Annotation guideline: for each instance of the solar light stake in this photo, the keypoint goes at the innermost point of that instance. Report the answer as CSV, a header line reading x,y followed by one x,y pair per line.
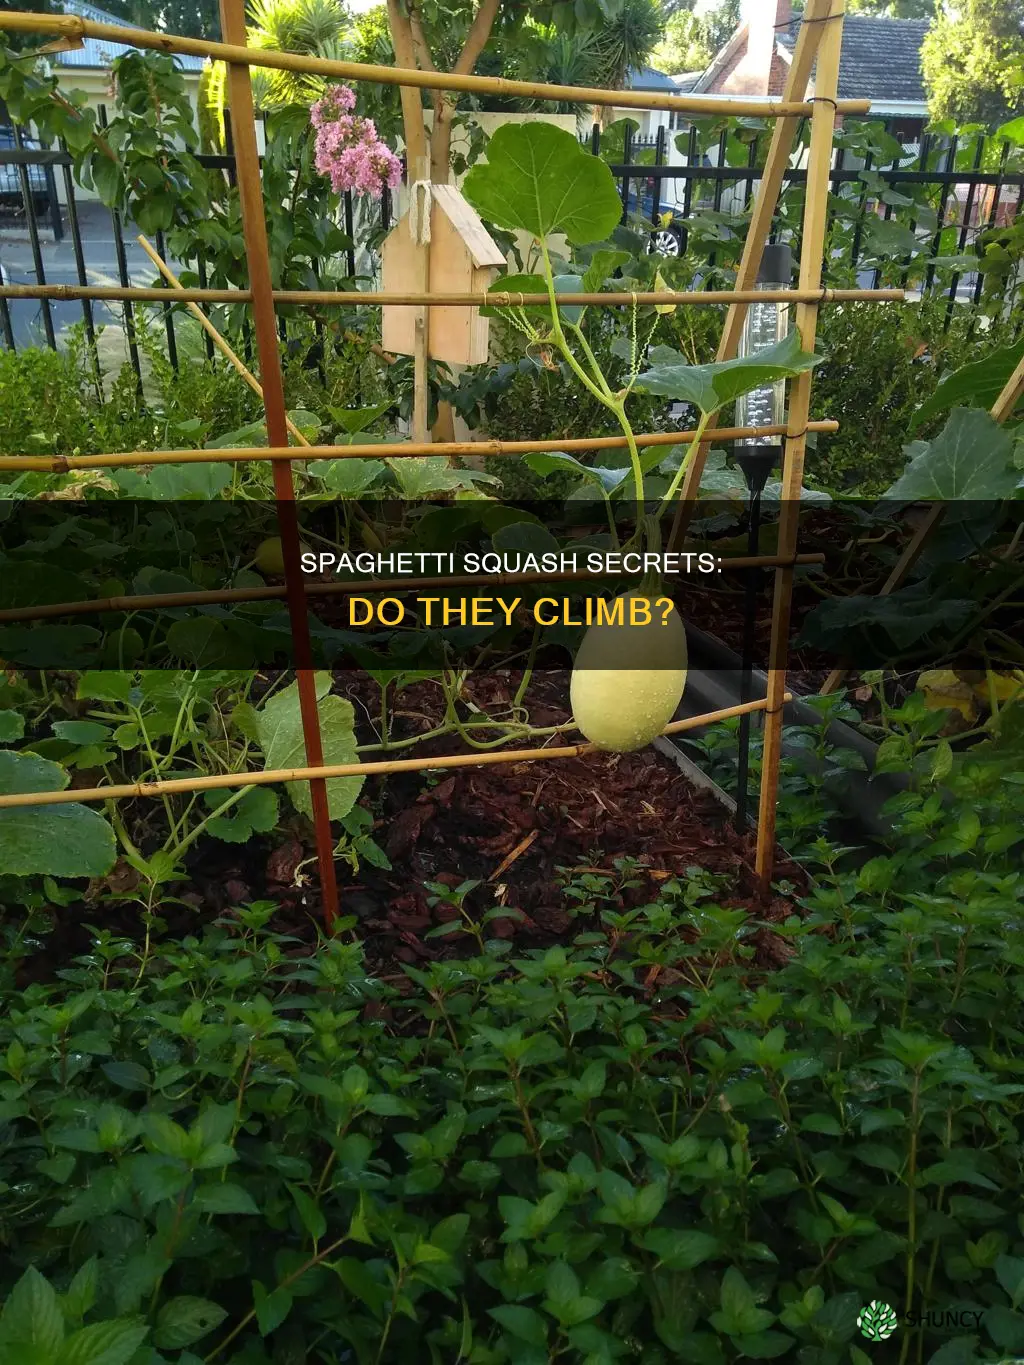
x,y
766,325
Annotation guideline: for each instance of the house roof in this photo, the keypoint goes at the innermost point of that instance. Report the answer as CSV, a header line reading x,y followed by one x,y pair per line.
x,y
97,53
881,58
647,78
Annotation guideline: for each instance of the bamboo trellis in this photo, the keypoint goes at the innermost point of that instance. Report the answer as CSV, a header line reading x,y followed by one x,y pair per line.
x,y
819,44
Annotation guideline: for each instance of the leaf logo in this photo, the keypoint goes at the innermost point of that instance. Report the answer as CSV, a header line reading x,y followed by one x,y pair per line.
x,y
877,1321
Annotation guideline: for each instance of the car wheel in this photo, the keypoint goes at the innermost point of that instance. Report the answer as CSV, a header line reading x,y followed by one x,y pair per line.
x,y
667,241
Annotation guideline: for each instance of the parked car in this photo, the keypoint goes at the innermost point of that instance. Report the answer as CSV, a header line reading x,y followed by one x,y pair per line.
x,y
668,235
10,178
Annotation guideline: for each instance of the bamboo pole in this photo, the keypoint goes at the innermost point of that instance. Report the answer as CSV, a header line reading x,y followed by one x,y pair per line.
x,y
491,299
213,334
224,781
780,149
257,250
1001,411
273,592
398,450
237,54
811,266
421,208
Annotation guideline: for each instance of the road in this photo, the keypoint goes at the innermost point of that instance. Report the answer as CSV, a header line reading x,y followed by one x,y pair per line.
x,y
58,259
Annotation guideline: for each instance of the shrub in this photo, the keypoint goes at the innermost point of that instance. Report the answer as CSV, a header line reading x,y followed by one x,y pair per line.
x,y
881,362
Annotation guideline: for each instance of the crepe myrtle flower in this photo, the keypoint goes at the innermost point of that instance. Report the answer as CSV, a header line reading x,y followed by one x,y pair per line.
x,y
348,149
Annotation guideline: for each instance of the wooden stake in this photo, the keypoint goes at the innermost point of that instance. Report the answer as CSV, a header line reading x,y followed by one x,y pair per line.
x,y
370,298
1000,411
225,781
777,161
254,228
811,264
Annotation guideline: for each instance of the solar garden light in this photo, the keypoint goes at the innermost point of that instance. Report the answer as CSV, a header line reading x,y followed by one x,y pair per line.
x,y
766,325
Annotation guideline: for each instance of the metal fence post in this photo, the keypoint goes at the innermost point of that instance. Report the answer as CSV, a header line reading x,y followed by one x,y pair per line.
x,y
122,271
83,278
33,237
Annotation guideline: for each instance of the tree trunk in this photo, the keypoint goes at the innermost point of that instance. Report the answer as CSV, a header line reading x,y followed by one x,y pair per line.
x,y
412,105
412,50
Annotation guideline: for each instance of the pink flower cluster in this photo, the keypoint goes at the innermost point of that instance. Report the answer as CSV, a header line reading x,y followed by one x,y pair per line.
x,y
348,150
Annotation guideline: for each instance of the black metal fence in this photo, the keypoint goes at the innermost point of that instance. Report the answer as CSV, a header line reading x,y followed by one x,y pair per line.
x,y
974,185
79,241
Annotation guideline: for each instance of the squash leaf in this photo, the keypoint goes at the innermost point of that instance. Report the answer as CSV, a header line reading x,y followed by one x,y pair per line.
x,y
539,179
971,458
279,725
977,385
62,841
710,387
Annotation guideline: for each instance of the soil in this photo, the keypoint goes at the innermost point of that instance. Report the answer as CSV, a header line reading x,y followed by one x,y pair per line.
x,y
520,830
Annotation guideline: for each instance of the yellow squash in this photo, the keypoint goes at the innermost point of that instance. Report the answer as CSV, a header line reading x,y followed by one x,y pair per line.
x,y
628,680
269,557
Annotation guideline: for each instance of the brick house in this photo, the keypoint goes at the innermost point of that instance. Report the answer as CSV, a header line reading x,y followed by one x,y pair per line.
x,y
881,62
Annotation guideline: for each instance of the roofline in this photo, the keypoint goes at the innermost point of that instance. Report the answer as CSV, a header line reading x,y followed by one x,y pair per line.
x,y
912,107
720,58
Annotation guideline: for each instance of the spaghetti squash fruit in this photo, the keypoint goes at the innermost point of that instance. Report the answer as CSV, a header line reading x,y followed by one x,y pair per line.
x,y
269,557
628,680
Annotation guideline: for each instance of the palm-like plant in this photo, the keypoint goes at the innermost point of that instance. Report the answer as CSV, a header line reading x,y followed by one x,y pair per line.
x,y
625,43
314,27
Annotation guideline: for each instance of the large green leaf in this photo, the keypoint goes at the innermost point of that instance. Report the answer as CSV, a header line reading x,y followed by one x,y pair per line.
x,y
280,736
546,462
12,726
186,1319
970,458
348,478
538,178
977,385
425,474
32,1326
104,1343
64,841
710,387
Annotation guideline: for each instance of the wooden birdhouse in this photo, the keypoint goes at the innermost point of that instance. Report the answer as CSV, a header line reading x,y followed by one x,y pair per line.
x,y
463,259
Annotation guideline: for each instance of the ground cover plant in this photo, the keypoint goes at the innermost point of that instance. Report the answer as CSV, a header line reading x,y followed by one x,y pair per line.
x,y
686,1130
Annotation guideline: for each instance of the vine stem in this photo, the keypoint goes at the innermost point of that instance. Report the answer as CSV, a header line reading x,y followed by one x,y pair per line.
x,y
687,460
602,392
912,1206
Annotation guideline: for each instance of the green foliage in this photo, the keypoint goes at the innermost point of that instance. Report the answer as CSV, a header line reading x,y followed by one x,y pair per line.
x,y
970,458
538,178
709,387
68,840
973,61
242,1152
881,366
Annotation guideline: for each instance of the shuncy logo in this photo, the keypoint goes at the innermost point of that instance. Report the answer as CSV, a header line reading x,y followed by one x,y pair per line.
x,y
877,1321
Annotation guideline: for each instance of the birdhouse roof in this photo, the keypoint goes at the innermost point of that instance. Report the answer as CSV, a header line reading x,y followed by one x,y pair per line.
x,y
482,248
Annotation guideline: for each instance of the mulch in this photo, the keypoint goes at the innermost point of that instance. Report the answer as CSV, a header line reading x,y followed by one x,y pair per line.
x,y
520,830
